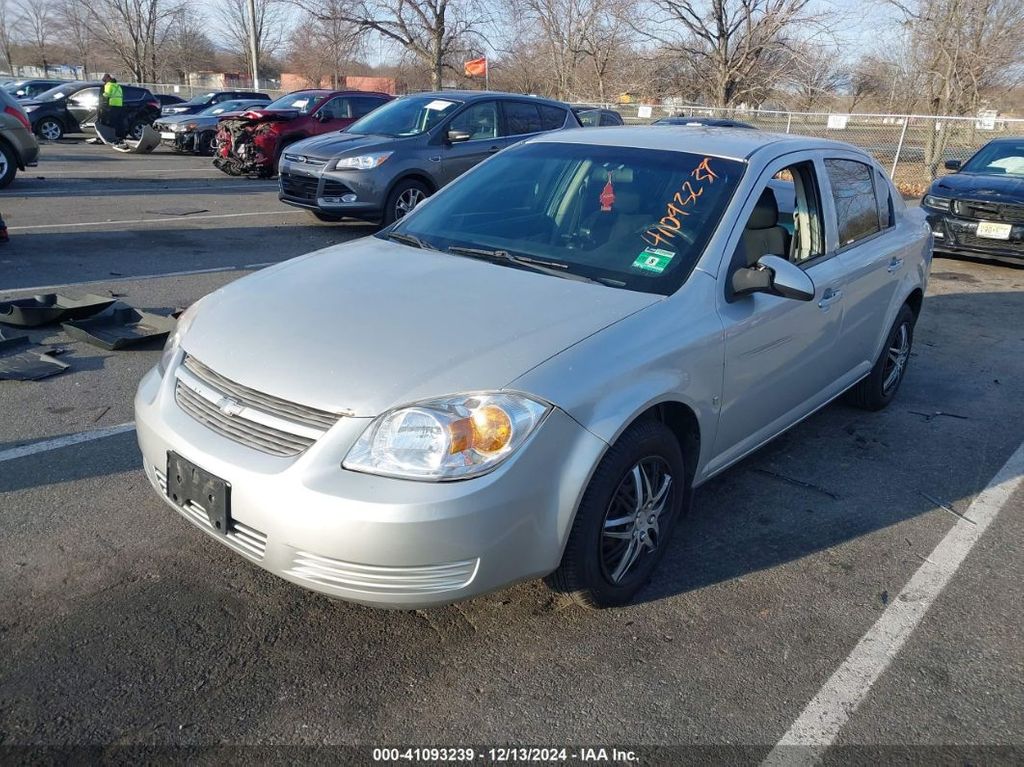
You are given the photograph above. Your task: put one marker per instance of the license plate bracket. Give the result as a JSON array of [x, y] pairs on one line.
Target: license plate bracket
[[994, 231], [189, 484]]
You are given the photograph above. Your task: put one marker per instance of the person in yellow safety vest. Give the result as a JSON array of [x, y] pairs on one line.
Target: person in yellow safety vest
[[112, 105]]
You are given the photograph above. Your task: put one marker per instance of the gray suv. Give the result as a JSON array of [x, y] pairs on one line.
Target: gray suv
[[18, 146], [391, 159]]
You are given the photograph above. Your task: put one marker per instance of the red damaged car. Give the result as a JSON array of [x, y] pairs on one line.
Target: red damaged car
[[250, 144]]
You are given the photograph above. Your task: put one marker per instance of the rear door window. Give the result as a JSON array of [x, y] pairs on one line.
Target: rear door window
[[522, 118], [853, 193], [551, 118]]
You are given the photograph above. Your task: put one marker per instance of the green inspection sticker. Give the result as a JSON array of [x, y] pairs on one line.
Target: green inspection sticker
[[653, 260]]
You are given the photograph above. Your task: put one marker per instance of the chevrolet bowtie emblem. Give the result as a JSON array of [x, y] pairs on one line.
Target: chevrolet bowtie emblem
[[230, 406]]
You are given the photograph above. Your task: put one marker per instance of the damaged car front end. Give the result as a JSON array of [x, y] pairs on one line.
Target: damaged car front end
[[247, 145]]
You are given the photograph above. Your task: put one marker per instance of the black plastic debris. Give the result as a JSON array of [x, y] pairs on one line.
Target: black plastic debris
[[119, 326], [178, 211], [50, 307], [21, 360]]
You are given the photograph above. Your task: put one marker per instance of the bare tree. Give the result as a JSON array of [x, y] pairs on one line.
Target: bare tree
[[187, 48], [133, 31], [435, 32], [72, 22], [271, 29], [6, 36], [35, 19], [325, 48], [811, 77], [733, 42]]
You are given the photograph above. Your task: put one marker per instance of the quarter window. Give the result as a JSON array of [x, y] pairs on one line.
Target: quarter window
[[551, 118], [854, 195], [886, 214], [363, 105], [522, 118]]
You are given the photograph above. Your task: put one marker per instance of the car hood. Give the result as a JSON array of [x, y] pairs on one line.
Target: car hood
[[256, 114], [980, 186], [173, 119], [331, 145], [369, 325]]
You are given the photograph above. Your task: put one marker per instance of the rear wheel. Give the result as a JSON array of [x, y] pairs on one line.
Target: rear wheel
[[403, 198], [8, 165], [50, 129], [879, 387], [625, 519]]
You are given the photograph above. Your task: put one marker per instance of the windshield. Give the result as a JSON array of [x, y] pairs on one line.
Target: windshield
[[225, 106], [304, 101], [1004, 158], [204, 99], [408, 116], [632, 218]]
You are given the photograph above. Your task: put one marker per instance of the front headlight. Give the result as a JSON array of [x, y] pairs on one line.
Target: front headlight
[[362, 162], [187, 127], [939, 203], [453, 437], [174, 339]]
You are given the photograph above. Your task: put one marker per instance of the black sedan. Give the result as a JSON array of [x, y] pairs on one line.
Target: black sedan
[[70, 107], [979, 209], [197, 104]]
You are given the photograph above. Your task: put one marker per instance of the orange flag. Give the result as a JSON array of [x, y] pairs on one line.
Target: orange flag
[[476, 67]]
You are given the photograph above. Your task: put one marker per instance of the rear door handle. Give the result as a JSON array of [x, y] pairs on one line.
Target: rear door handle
[[895, 265], [829, 297]]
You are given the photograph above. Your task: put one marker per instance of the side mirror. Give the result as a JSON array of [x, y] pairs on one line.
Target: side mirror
[[774, 275], [457, 136], [953, 164]]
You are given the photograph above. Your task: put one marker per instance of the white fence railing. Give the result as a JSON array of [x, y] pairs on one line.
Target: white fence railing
[[913, 148]]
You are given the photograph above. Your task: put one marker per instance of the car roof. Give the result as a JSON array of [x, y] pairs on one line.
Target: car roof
[[730, 143], [463, 95]]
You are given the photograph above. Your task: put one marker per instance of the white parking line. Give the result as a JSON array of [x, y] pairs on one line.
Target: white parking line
[[821, 721], [281, 211], [65, 441], [91, 172], [133, 277], [152, 190]]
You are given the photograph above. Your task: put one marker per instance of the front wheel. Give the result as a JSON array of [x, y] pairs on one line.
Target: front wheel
[[403, 198], [50, 129], [626, 518], [204, 143], [136, 130], [879, 387]]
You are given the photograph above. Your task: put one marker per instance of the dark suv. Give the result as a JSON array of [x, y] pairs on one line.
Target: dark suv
[[70, 107], [387, 162], [197, 104], [24, 90]]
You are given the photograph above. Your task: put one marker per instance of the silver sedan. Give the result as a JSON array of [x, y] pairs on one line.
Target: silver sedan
[[528, 374]]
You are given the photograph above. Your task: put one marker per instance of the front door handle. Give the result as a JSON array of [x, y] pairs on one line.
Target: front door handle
[[895, 265], [829, 297]]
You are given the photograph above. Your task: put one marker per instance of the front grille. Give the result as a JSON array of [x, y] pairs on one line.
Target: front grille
[[243, 538], [260, 421], [310, 162], [989, 211], [335, 189], [302, 187], [971, 240], [301, 414], [423, 579]]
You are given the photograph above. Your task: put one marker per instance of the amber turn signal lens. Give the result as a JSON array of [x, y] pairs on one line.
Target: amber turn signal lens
[[492, 429]]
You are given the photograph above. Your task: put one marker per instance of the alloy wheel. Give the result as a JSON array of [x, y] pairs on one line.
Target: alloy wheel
[[4, 165], [896, 358], [135, 134], [408, 200], [631, 523], [50, 130]]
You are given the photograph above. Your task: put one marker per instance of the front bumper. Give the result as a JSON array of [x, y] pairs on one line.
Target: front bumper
[[180, 142], [377, 540], [359, 194], [959, 236]]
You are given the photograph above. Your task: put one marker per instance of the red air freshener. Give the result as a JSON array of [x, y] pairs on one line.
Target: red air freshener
[[607, 197]]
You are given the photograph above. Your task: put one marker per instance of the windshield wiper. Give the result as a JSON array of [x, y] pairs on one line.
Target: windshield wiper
[[408, 239], [554, 268]]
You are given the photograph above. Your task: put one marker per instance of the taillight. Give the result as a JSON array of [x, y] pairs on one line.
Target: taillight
[[19, 115]]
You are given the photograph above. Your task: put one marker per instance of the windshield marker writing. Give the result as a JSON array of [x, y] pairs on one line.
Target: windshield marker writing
[[662, 232]]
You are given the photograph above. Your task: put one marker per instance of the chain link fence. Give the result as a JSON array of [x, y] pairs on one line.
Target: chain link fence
[[913, 148], [188, 91]]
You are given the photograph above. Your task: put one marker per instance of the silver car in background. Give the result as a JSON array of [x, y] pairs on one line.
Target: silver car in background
[[528, 374]]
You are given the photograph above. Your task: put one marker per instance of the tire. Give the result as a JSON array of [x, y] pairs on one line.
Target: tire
[[879, 387], [204, 143], [135, 131], [8, 165], [595, 569], [319, 215], [50, 129], [403, 198]]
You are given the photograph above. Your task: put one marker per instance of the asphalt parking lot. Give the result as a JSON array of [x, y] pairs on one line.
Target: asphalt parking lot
[[122, 624]]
